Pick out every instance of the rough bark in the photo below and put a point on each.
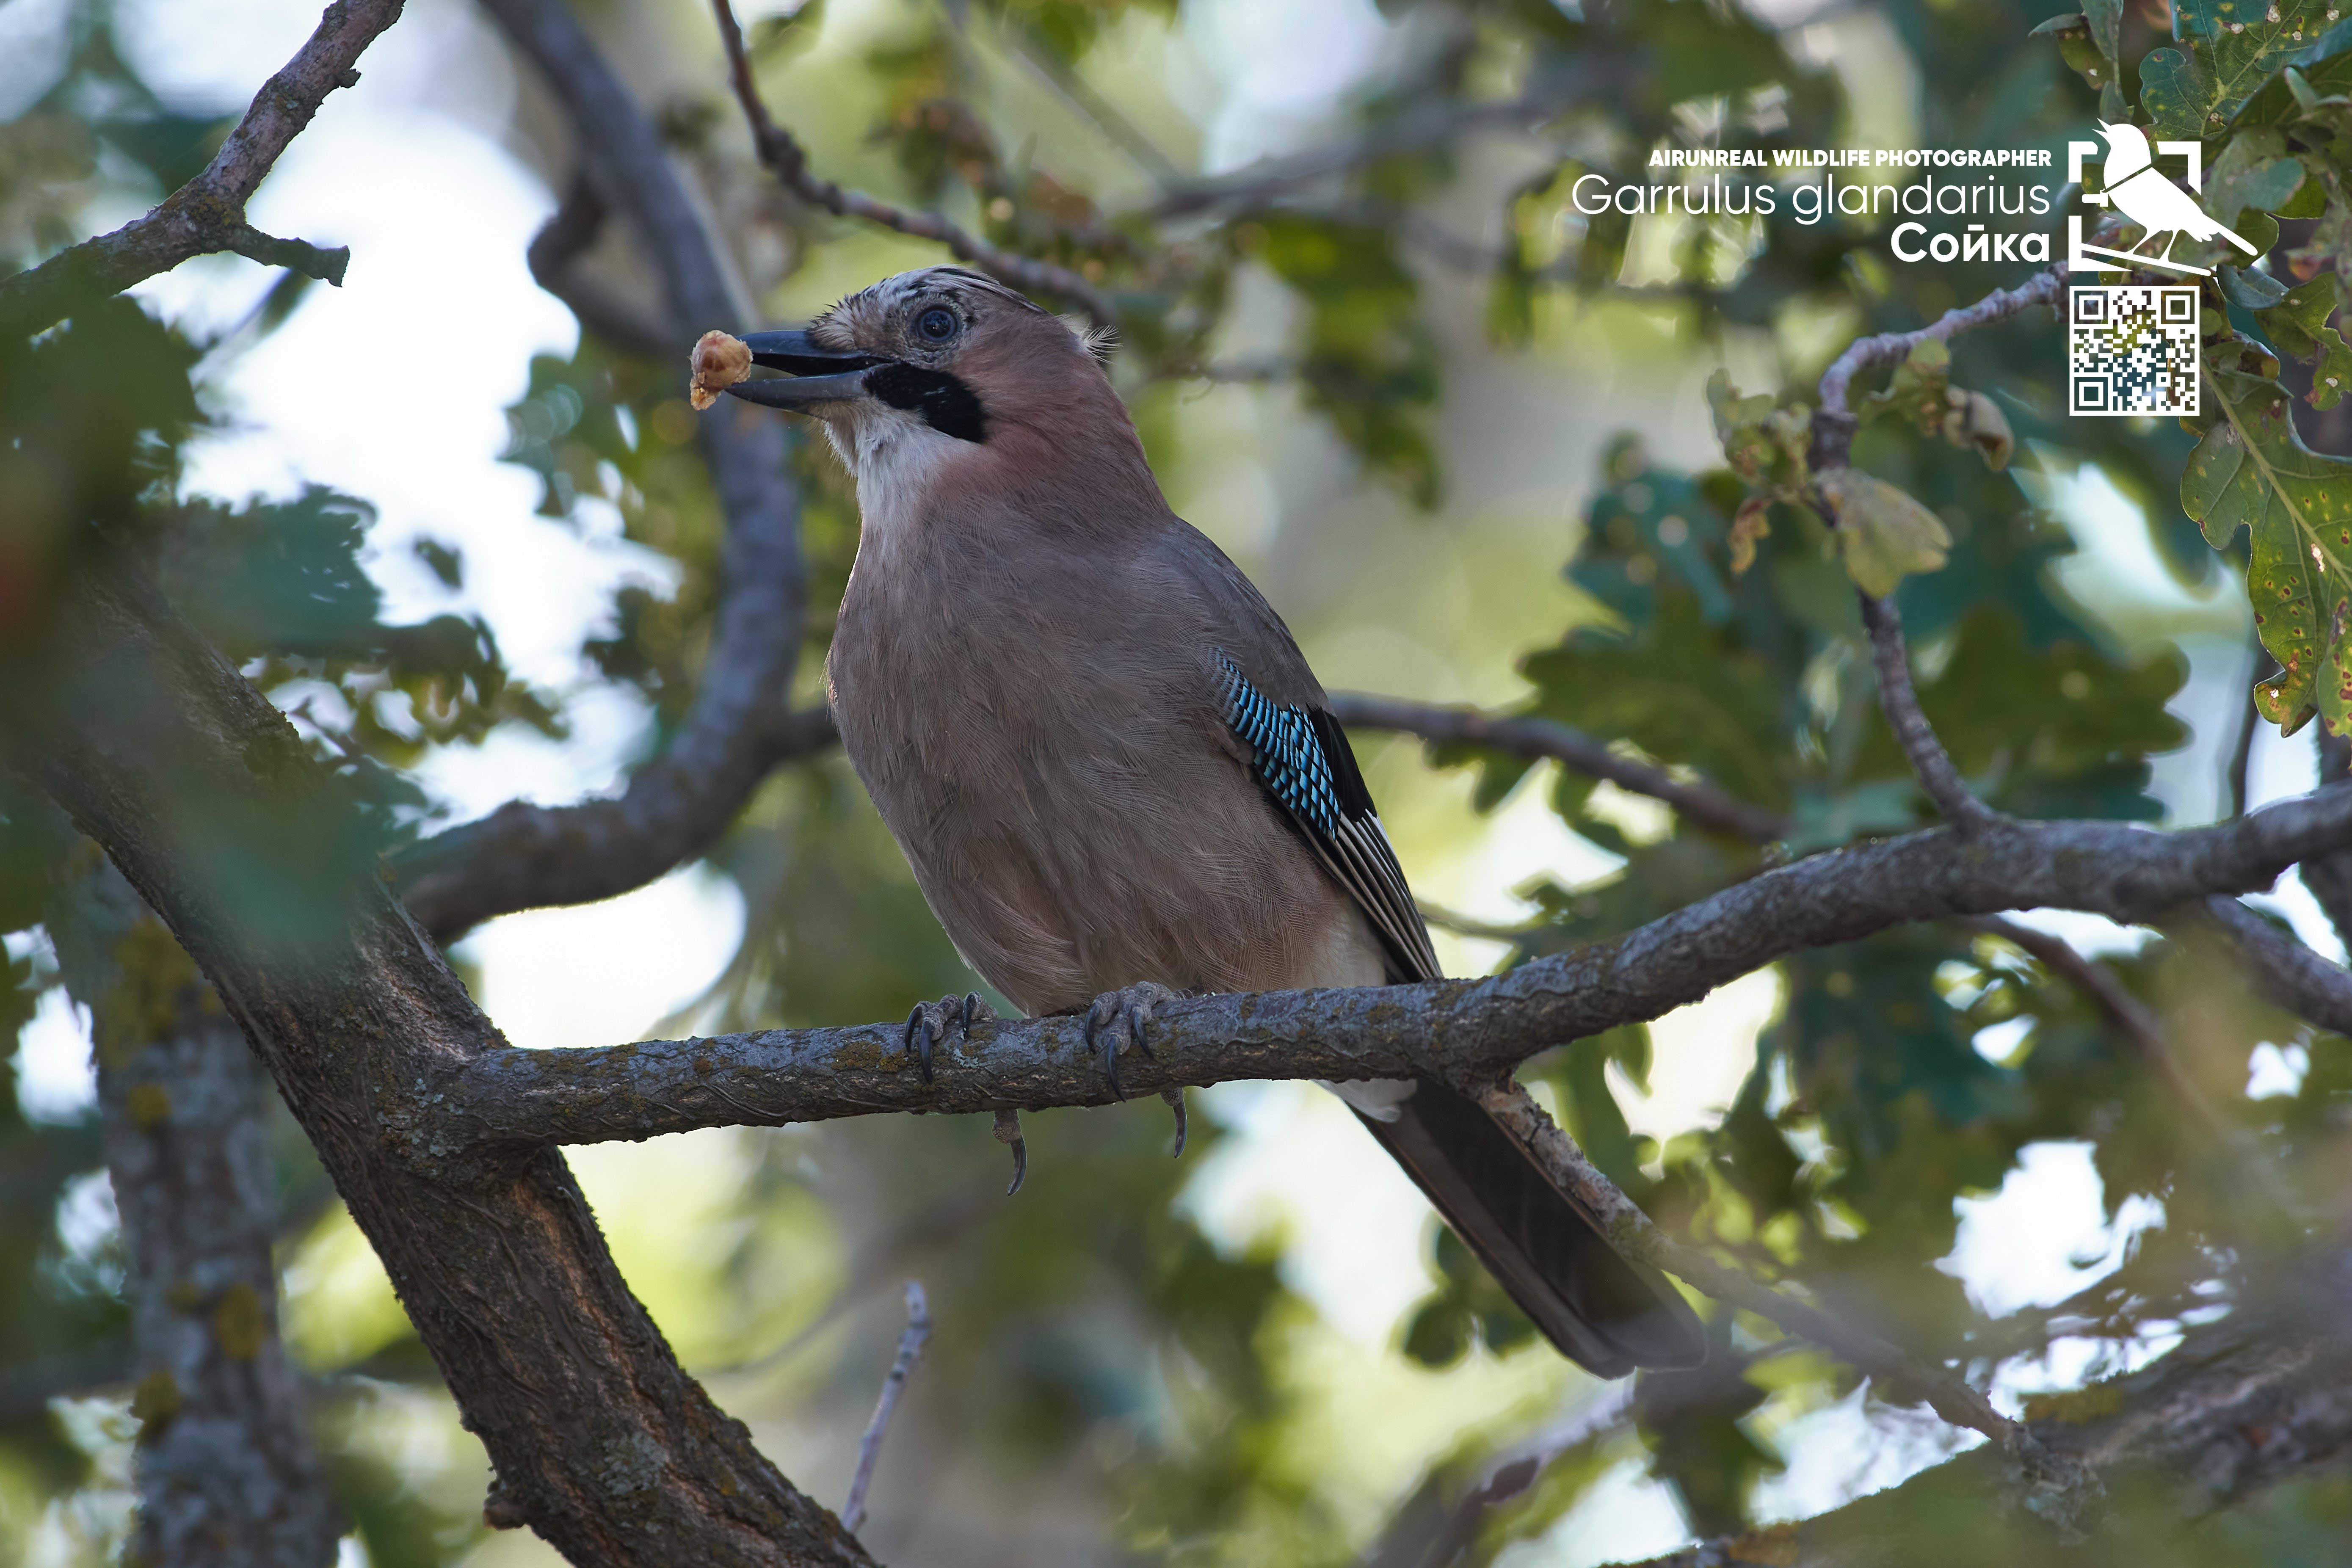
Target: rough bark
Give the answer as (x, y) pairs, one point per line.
(226, 1470)
(202, 794)
(1464, 1031)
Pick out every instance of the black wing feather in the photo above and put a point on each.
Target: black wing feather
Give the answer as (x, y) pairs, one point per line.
(1301, 758)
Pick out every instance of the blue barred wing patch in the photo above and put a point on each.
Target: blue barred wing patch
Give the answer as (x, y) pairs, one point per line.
(1287, 756)
(1301, 759)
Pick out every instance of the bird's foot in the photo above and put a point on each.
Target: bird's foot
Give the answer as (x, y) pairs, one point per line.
(1008, 1131)
(948, 1020)
(1121, 1016)
(1175, 1099)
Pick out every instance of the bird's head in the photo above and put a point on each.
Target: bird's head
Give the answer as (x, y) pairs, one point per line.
(944, 371)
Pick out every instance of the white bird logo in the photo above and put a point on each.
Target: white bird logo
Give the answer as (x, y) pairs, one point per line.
(2136, 189)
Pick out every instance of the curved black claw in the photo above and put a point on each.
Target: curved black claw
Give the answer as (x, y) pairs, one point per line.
(1008, 1131)
(1175, 1099)
(1123, 1012)
(919, 1029)
(948, 1020)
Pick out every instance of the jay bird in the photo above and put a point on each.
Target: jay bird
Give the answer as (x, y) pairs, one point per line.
(1107, 761)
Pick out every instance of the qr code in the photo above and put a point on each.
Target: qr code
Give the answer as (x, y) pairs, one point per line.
(2132, 351)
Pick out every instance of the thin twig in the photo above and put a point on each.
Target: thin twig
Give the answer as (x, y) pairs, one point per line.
(2097, 981)
(1539, 738)
(1633, 1233)
(2250, 719)
(2287, 972)
(1107, 117)
(1430, 121)
(207, 213)
(1834, 424)
(1929, 760)
(784, 158)
(2329, 876)
(2150, 1042)
(870, 1447)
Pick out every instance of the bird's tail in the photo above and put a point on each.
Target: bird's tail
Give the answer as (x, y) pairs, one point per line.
(1602, 1309)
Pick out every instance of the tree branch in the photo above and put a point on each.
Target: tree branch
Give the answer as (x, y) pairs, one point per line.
(1929, 762)
(207, 213)
(2329, 876)
(1632, 1233)
(205, 796)
(523, 856)
(224, 1462)
(2260, 1397)
(1433, 119)
(1834, 424)
(784, 159)
(1457, 1031)
(894, 1383)
(2287, 972)
(1537, 739)
(626, 324)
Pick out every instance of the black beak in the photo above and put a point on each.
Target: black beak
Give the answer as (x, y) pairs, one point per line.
(819, 375)
(796, 353)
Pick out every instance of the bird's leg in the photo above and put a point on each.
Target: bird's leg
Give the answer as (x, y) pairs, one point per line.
(1123, 1012)
(949, 1020)
(1008, 1131)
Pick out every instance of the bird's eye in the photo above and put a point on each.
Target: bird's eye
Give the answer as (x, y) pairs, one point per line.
(937, 324)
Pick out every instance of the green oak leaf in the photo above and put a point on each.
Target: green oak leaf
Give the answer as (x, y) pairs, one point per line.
(2297, 325)
(2250, 289)
(2252, 468)
(2326, 68)
(2330, 245)
(2229, 50)
(2106, 20)
(1884, 535)
(2178, 92)
(2255, 171)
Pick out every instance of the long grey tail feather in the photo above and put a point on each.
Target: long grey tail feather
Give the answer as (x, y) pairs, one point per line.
(1604, 1311)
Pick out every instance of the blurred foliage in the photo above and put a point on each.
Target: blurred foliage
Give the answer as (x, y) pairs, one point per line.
(1105, 1361)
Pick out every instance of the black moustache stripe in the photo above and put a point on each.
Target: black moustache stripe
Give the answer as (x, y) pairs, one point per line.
(946, 403)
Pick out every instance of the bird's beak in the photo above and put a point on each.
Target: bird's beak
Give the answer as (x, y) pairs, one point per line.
(819, 375)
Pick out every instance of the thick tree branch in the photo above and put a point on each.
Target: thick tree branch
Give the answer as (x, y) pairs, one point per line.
(1456, 1030)
(784, 159)
(524, 855)
(191, 781)
(1539, 738)
(1929, 762)
(225, 1467)
(207, 213)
